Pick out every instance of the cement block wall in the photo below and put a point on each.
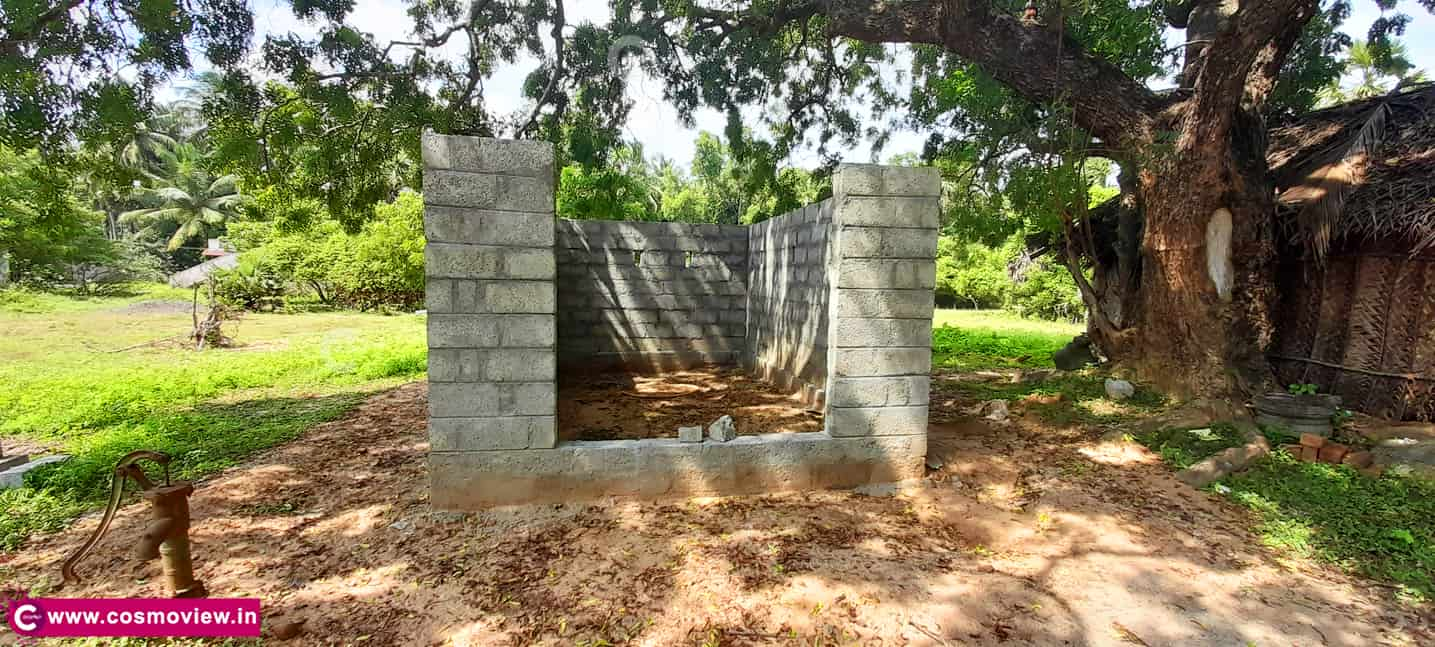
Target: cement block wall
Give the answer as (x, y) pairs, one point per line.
(883, 275)
(488, 222)
(650, 296)
(788, 299)
(507, 284)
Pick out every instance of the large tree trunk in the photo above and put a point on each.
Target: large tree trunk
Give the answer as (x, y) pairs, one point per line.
(1199, 318)
(1195, 317)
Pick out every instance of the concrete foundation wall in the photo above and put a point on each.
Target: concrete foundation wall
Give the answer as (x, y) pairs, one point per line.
(841, 301)
(650, 296)
(787, 306)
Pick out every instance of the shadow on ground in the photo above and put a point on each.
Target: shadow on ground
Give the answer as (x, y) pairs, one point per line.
(1029, 534)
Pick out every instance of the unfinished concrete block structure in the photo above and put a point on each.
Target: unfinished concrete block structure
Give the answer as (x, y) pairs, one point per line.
(831, 302)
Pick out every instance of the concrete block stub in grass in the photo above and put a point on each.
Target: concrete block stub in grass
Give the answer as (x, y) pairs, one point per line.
(15, 476)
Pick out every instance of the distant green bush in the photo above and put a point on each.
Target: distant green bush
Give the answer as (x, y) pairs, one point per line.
(1047, 292)
(254, 284)
(971, 275)
(382, 265)
(975, 275)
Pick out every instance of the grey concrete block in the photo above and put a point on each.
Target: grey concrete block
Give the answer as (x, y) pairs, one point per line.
(861, 362)
(520, 297)
(878, 391)
(881, 333)
(461, 331)
(526, 263)
(880, 180)
(485, 155)
(862, 211)
(447, 260)
(444, 260)
(485, 227)
(501, 297)
(15, 476)
(887, 242)
(488, 434)
(481, 191)
(455, 365)
(505, 365)
(690, 434)
(438, 296)
(528, 331)
(896, 304)
(491, 399)
(886, 273)
(876, 421)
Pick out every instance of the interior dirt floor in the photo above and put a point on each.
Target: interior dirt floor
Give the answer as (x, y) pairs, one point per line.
(624, 406)
(1028, 536)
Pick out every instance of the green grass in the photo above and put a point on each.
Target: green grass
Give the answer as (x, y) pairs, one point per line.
(67, 389)
(1382, 528)
(1182, 448)
(983, 339)
(22, 300)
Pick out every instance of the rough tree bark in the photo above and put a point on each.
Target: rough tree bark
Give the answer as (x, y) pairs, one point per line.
(1197, 319)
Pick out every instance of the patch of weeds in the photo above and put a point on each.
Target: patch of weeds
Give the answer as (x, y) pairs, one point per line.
(1081, 399)
(269, 509)
(1383, 528)
(1182, 448)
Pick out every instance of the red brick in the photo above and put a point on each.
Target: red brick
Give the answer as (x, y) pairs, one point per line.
(1312, 440)
(1293, 449)
(1359, 460)
(1309, 454)
(1333, 453)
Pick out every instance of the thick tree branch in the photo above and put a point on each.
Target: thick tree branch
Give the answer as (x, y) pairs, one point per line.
(1259, 35)
(553, 76)
(1040, 63)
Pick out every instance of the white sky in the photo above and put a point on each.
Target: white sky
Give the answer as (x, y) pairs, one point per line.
(654, 123)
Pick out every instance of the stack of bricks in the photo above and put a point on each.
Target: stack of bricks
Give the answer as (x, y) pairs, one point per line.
(488, 222)
(650, 296)
(788, 292)
(1313, 448)
(883, 272)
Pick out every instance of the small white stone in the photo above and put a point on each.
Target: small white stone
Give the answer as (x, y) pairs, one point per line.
(1119, 389)
(723, 429)
(997, 410)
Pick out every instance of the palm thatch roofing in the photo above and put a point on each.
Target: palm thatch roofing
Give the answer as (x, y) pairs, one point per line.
(1359, 172)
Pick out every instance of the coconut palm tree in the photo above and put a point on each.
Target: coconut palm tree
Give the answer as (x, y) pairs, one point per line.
(192, 200)
(1373, 77)
(146, 148)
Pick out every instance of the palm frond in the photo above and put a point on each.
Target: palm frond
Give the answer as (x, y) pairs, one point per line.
(224, 185)
(1321, 195)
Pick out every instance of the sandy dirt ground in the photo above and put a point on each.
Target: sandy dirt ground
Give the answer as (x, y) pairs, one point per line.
(617, 406)
(1028, 536)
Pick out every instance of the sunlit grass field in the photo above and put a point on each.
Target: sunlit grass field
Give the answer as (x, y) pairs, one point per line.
(977, 339)
(98, 378)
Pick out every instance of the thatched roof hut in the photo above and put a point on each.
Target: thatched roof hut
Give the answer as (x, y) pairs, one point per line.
(1357, 192)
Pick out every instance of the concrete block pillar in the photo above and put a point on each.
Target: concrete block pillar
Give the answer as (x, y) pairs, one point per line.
(883, 271)
(488, 223)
